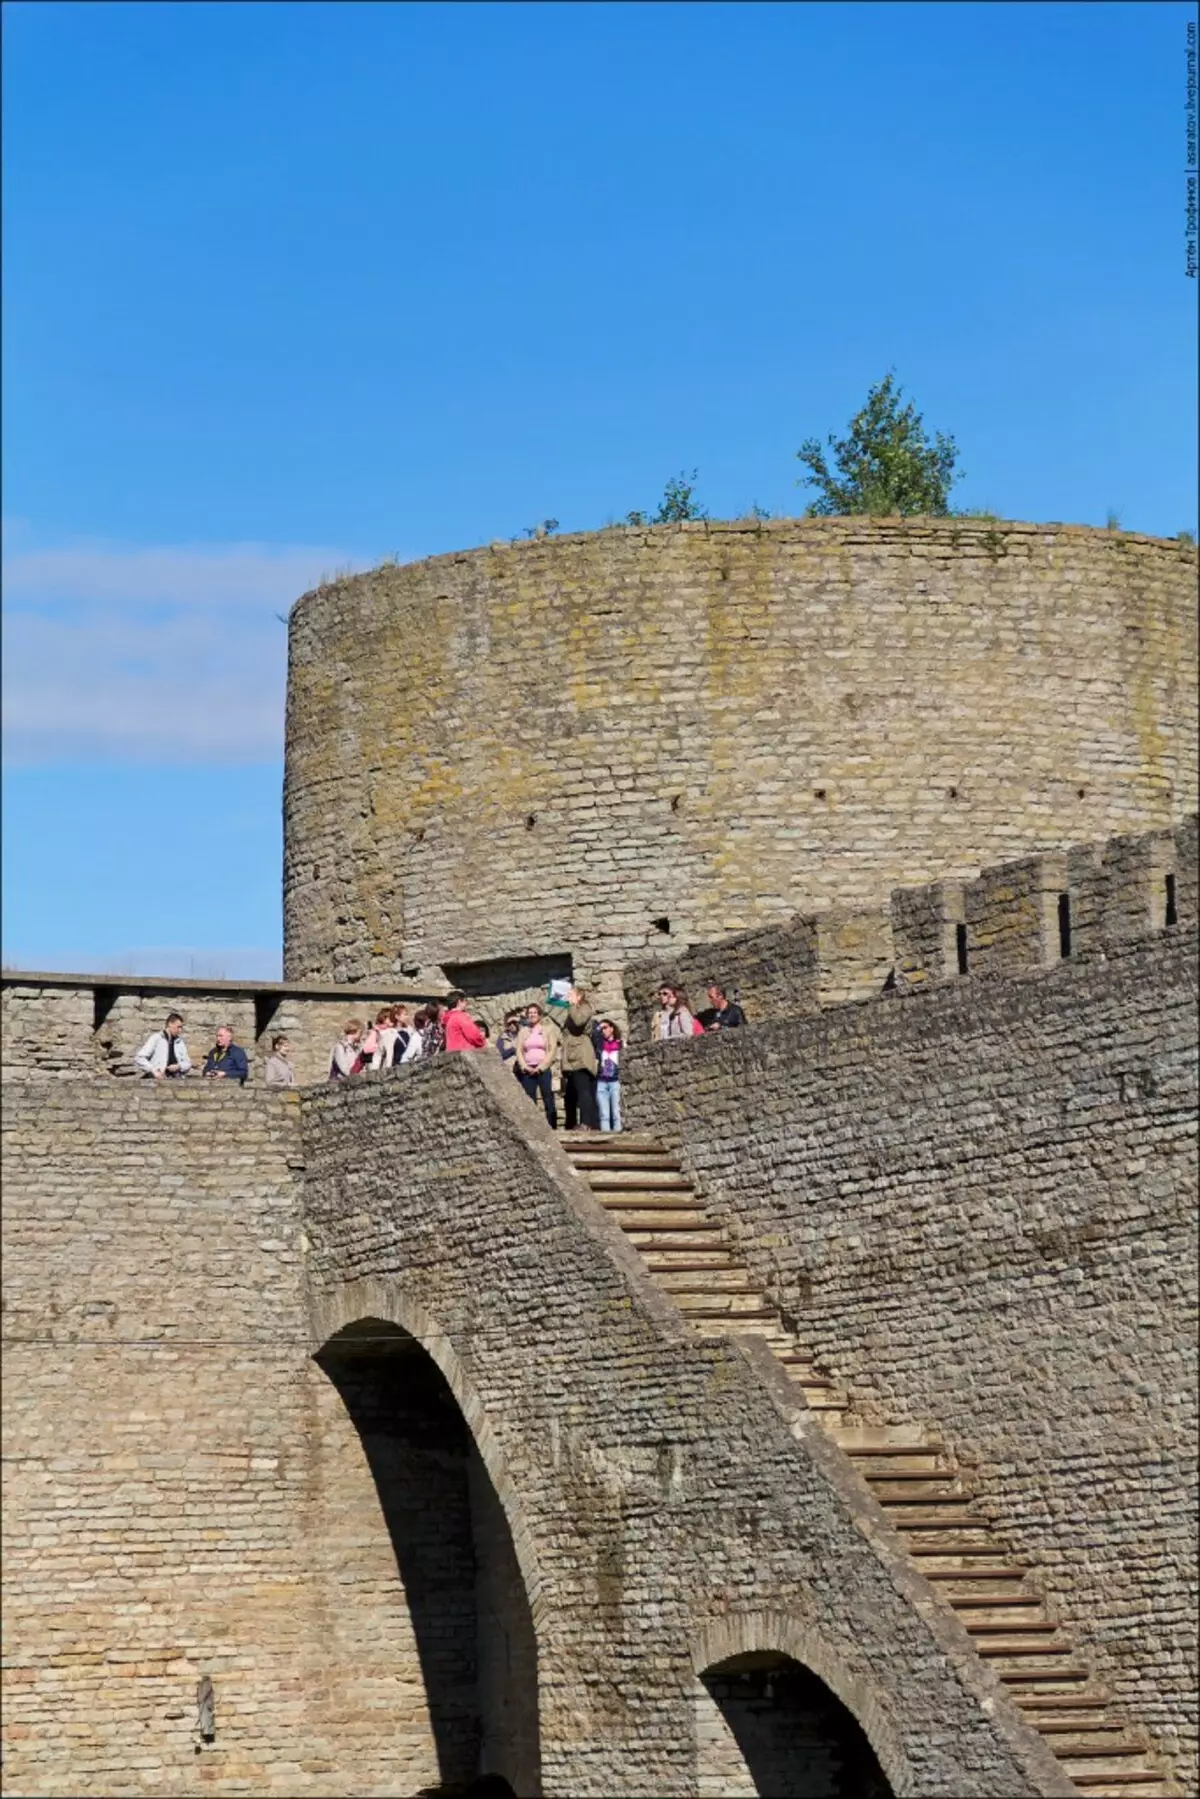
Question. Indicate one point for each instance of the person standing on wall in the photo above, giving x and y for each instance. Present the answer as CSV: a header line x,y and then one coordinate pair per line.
x,y
279,1071
579,1063
608,1076
433,1031
346,1058
406,1045
673,1018
537,1041
226,1060
506,1043
164,1054
722,1013
462,1032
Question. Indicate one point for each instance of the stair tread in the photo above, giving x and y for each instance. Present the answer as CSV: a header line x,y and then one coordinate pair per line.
x,y
648,1199
1104,1781
921,1489
992,1626
637,1180
1052,1673
1099,1753
990,1600
1096,1701
868,1451
909,1469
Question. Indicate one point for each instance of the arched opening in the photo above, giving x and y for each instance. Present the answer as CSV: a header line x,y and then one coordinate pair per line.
x,y
765,1725
468,1611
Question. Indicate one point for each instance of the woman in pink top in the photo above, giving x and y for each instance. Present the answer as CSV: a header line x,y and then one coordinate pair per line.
x,y
537,1041
461,1030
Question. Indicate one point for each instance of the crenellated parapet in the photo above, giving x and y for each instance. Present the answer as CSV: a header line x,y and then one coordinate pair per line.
x,y
1086,902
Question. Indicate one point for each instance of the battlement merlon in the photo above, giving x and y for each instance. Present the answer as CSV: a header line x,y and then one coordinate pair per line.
x,y
1078,903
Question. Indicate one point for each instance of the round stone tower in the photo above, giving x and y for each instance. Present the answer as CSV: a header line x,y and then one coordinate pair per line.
x,y
559,754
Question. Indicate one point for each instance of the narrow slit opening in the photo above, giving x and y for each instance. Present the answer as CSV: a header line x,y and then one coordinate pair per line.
x,y
960,947
1064,925
1172,911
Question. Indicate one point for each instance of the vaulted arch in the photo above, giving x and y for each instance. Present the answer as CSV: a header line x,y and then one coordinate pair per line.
x,y
447,1505
778,1713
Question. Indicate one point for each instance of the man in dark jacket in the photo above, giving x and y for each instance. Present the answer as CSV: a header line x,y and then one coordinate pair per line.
x,y
722,1014
225,1061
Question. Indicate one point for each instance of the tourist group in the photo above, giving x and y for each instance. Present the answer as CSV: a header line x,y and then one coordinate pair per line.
x,y
564,1037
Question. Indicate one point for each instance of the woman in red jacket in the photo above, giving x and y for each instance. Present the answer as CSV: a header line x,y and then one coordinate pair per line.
x,y
461,1030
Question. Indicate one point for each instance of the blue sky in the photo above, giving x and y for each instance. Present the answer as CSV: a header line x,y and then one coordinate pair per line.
x,y
289,288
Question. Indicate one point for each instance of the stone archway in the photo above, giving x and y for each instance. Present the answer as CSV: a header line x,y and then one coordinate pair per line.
x,y
776,1714
473,1655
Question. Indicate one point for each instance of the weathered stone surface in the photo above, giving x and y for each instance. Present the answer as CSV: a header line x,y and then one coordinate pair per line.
x,y
95,1022
978,1204
189,1497
565,746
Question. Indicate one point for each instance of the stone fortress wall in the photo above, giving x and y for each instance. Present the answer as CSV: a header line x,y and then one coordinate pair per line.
x,y
357,1403
977,1196
69,1025
964,1190
589,748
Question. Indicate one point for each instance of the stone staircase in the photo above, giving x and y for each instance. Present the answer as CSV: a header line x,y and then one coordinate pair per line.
x,y
911,1473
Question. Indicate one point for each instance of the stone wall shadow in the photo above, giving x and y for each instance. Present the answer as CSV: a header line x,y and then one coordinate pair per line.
x,y
465,1596
772,1728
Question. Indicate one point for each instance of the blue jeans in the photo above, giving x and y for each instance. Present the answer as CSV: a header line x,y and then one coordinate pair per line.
x,y
608,1099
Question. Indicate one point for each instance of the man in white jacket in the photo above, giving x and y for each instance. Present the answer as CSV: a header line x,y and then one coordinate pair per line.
x,y
164,1053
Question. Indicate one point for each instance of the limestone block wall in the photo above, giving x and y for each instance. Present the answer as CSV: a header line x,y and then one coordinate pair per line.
x,y
185,1495
978,1203
191,1492
90,1024
1085,902
663,1490
637,740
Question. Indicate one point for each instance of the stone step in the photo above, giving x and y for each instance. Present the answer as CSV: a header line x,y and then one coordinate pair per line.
x,y
1074,1719
808,1376
1064,1705
1151,1787
612,1142
689,1260
920,1490
1101,1744
1099,1739
974,1540
1016,1645
733,1306
982,1620
680,1281
946,1516
643,1217
911,1464
641,1180
966,1593
644,1199
698,1236
825,1400
887,1439
1106,1764
1038,1670
957,1568
657,1161
1123,1786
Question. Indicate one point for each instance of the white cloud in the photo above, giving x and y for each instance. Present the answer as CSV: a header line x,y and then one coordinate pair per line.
x,y
264,964
158,652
